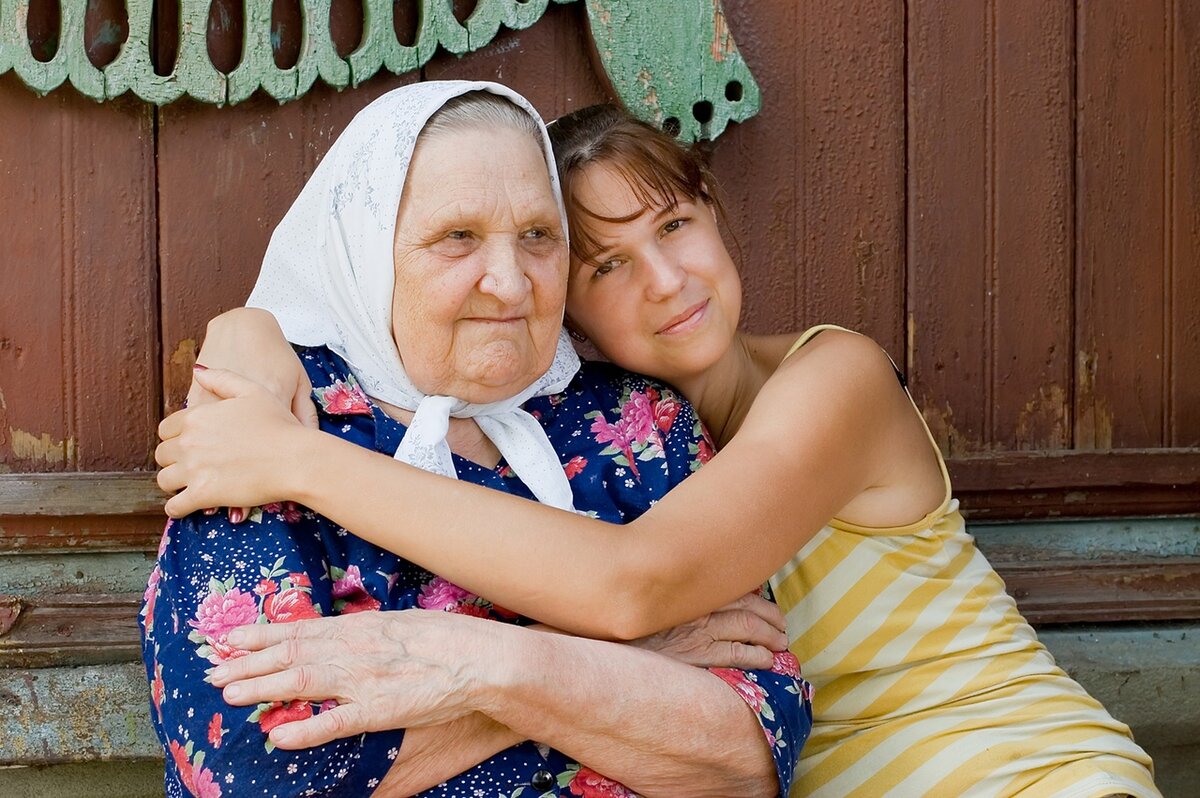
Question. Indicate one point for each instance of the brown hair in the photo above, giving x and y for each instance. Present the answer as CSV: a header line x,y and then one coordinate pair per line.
x,y
657,168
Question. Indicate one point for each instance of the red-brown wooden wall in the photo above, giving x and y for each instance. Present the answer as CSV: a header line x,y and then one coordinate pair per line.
x,y
1004,193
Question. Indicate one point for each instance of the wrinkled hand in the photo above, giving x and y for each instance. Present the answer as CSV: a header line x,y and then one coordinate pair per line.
x,y
743,634
237,452
386,670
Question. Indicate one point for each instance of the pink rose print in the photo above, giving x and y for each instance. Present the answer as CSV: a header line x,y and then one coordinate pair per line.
x,y
266,587
575,466
344,399
442,595
786,664
750,692
166,536
638,413
220,651
205,786
587,783
221,612
215,732
349,583
290,605
277,713
158,689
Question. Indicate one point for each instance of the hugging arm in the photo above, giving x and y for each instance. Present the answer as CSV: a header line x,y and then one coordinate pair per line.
x,y
660,727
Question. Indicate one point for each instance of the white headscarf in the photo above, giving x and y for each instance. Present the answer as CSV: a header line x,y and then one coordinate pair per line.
x,y
328,278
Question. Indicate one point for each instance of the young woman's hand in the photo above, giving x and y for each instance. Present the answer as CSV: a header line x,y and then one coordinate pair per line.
x,y
248,341
743,634
241,451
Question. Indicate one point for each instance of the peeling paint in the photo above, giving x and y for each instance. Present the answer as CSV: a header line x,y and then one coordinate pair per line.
x,y
177,375
941,427
41,448
1042,421
1094,419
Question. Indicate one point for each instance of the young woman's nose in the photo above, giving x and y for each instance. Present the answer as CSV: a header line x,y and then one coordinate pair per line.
x,y
505,277
665,277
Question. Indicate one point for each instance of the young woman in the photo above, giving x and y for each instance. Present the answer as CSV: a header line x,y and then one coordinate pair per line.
x,y
828,483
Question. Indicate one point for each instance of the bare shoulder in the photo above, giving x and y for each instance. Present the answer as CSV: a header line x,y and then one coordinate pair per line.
x,y
837,362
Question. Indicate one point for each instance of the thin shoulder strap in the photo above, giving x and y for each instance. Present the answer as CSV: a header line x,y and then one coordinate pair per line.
x,y
813,332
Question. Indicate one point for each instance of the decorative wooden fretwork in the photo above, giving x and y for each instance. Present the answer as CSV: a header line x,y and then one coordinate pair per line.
x,y
675,64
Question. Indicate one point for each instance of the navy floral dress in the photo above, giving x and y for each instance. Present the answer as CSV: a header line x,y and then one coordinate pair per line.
x,y
624,442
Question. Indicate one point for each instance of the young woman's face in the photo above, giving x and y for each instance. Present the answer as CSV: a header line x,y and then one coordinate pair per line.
x,y
662,297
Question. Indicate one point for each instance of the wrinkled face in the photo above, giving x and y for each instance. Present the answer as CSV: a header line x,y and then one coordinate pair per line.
x,y
663,295
481,265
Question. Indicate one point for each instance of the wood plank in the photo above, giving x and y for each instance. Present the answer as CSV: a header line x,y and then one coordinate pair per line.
x,y
78,338
851,55
1030,174
950,219
1184,332
548,64
1121,261
118,493
1085,592
80,533
71,630
757,165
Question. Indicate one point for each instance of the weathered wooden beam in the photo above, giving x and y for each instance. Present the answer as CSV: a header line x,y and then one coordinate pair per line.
x,y
68,630
64,495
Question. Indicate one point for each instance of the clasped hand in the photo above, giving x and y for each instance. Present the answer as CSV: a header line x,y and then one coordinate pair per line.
x,y
239,451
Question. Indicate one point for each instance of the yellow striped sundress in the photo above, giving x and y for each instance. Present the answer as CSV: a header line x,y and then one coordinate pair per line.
x,y
928,680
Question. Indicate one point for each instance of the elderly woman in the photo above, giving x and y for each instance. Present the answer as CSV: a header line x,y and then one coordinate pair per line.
x,y
424,268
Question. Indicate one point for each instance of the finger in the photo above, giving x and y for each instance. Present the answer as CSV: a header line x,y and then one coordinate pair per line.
x,y
257,636
183,503
332,724
237,515
171,479
750,658
743,626
764,608
172,425
225,384
306,682
302,403
167,452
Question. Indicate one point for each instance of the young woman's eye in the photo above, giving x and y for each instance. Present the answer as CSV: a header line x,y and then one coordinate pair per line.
x,y
673,225
605,267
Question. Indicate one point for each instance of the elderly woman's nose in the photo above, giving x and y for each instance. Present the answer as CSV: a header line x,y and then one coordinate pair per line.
x,y
505,277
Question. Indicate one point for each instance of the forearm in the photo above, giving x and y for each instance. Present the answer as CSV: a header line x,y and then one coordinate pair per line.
x,y
433,754
667,729
394,505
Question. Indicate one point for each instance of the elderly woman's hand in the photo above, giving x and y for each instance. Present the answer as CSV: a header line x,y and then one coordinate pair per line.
x,y
743,634
386,670
238,452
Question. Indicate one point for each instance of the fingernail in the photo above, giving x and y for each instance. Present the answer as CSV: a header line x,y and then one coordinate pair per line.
x,y
199,367
234,638
210,510
236,515
232,693
279,736
217,674
290,506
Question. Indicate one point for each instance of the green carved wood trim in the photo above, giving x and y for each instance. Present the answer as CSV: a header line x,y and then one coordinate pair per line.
x,y
675,63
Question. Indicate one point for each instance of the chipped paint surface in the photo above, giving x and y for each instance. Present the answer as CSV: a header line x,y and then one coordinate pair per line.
x,y
41,449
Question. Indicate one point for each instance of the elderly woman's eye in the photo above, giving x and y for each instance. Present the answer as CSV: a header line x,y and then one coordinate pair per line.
x,y
458,235
536,234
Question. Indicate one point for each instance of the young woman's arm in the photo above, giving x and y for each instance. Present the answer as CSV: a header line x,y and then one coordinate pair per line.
x,y
831,425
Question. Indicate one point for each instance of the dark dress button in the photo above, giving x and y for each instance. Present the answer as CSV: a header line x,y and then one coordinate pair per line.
x,y
542,780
